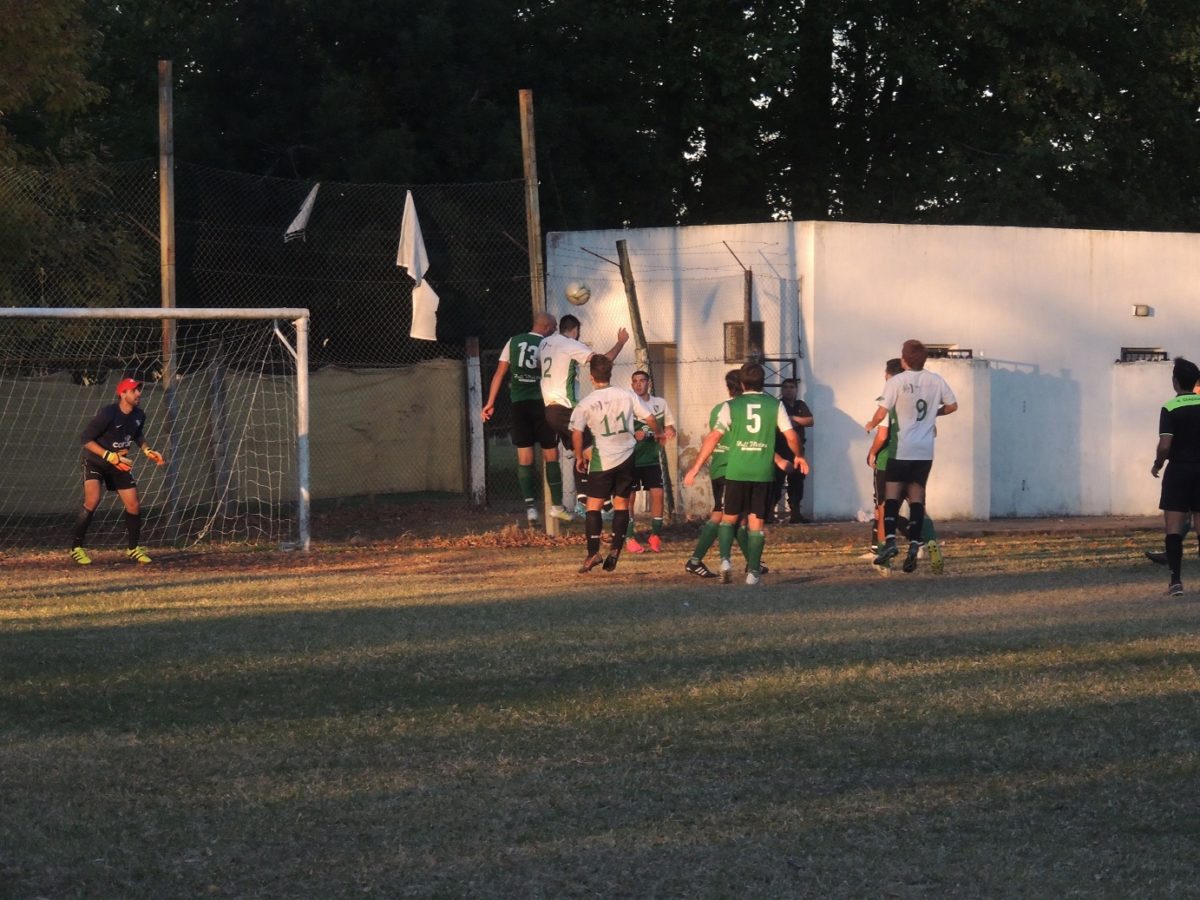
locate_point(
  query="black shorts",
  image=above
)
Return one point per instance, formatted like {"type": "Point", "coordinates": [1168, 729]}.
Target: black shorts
{"type": "Point", "coordinates": [909, 471]}
{"type": "Point", "coordinates": [1180, 488]}
{"type": "Point", "coordinates": [559, 420]}
{"type": "Point", "coordinates": [647, 478]}
{"type": "Point", "coordinates": [529, 425]}
{"type": "Point", "coordinates": [718, 486]}
{"type": "Point", "coordinates": [748, 498]}
{"type": "Point", "coordinates": [614, 482]}
{"type": "Point", "coordinates": [114, 479]}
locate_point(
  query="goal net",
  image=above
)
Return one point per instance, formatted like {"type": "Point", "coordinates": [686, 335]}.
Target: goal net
{"type": "Point", "coordinates": [226, 399]}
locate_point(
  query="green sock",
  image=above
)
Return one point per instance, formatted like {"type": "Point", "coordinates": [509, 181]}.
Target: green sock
{"type": "Point", "coordinates": [656, 525]}
{"type": "Point", "coordinates": [755, 541]}
{"type": "Point", "coordinates": [525, 480]}
{"type": "Point", "coordinates": [629, 532]}
{"type": "Point", "coordinates": [554, 482]}
{"type": "Point", "coordinates": [725, 539]}
{"type": "Point", "coordinates": [708, 534]}
{"type": "Point", "coordinates": [927, 532]}
{"type": "Point", "coordinates": [743, 541]}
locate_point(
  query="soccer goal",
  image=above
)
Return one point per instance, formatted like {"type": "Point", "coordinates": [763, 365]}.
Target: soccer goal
{"type": "Point", "coordinates": [226, 397]}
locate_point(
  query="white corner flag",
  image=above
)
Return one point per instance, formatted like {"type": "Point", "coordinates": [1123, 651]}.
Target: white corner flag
{"type": "Point", "coordinates": [411, 256]}
{"type": "Point", "coordinates": [296, 229]}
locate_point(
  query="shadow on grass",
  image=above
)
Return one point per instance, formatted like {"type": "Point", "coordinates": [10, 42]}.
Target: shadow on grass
{"type": "Point", "coordinates": [296, 663]}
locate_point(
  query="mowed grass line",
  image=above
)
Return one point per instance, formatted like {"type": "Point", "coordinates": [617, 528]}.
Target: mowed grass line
{"type": "Point", "coordinates": [430, 723]}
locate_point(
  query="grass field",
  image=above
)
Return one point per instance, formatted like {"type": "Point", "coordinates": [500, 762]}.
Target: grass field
{"type": "Point", "coordinates": [432, 718]}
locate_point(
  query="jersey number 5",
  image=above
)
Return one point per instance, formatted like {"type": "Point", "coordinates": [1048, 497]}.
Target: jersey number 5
{"type": "Point", "coordinates": [753, 418]}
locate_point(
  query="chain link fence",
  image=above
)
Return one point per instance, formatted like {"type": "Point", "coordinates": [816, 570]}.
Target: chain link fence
{"type": "Point", "coordinates": [89, 236]}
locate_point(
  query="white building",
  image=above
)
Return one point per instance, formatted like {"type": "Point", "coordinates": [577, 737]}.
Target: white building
{"type": "Point", "coordinates": [1050, 421]}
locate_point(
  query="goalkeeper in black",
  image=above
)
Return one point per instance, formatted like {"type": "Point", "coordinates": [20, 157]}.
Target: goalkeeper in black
{"type": "Point", "coordinates": [107, 440]}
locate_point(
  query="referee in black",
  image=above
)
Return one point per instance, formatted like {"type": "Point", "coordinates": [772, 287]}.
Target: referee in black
{"type": "Point", "coordinates": [1179, 442]}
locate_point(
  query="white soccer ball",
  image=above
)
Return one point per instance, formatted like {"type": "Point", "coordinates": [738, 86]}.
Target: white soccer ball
{"type": "Point", "coordinates": [578, 293]}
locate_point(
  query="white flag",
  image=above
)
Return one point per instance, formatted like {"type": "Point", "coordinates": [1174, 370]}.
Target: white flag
{"type": "Point", "coordinates": [296, 229]}
{"type": "Point", "coordinates": [411, 256]}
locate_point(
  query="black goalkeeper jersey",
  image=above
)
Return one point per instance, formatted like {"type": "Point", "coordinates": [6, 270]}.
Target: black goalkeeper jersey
{"type": "Point", "coordinates": [114, 430]}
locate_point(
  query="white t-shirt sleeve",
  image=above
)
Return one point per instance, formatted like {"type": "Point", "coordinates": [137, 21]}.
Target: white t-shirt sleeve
{"type": "Point", "coordinates": [668, 418]}
{"type": "Point", "coordinates": [724, 419]}
{"type": "Point", "coordinates": [783, 421]}
{"type": "Point", "coordinates": [947, 394]}
{"type": "Point", "coordinates": [579, 416]}
{"type": "Point", "coordinates": [891, 392]}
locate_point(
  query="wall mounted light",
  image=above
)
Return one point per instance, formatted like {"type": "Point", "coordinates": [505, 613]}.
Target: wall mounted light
{"type": "Point", "coordinates": [1142, 311]}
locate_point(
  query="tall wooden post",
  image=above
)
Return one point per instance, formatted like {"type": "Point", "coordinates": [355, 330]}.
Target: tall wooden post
{"type": "Point", "coordinates": [641, 353]}
{"type": "Point", "coordinates": [166, 240]}
{"type": "Point", "coordinates": [533, 211]}
{"type": "Point", "coordinates": [533, 239]}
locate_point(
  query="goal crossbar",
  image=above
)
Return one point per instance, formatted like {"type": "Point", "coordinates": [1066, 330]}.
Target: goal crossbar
{"type": "Point", "coordinates": [297, 316]}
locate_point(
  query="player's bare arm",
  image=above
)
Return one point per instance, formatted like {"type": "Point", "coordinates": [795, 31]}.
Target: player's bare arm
{"type": "Point", "coordinates": [798, 461]}
{"type": "Point", "coordinates": [877, 444]}
{"type": "Point", "coordinates": [581, 461]}
{"type": "Point", "coordinates": [622, 340]}
{"type": "Point", "coordinates": [1161, 454]}
{"type": "Point", "coordinates": [946, 408]}
{"type": "Point", "coordinates": [706, 450]}
{"type": "Point", "coordinates": [494, 391]}
{"type": "Point", "coordinates": [880, 415]}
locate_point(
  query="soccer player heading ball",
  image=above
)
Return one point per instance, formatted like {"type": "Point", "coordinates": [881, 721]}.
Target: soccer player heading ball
{"type": "Point", "coordinates": [107, 439]}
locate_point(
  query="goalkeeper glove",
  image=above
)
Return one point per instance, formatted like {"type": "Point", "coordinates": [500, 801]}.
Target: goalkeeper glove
{"type": "Point", "coordinates": [154, 456]}
{"type": "Point", "coordinates": [119, 460]}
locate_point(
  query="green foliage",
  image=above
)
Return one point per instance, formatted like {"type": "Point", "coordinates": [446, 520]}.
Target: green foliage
{"type": "Point", "coordinates": [1071, 112]}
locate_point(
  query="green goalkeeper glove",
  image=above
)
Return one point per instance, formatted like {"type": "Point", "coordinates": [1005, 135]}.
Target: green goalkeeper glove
{"type": "Point", "coordinates": [118, 460]}
{"type": "Point", "coordinates": [154, 456]}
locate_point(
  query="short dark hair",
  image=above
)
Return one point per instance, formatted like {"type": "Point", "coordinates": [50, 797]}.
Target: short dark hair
{"type": "Point", "coordinates": [733, 381]}
{"type": "Point", "coordinates": [893, 366]}
{"type": "Point", "coordinates": [794, 382]}
{"type": "Point", "coordinates": [567, 323]}
{"type": "Point", "coordinates": [1186, 373]}
{"type": "Point", "coordinates": [639, 372]}
{"type": "Point", "coordinates": [601, 367]}
{"type": "Point", "coordinates": [914, 354]}
{"type": "Point", "coordinates": [752, 376]}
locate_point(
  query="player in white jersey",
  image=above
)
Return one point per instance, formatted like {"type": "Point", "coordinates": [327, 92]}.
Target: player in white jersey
{"type": "Point", "coordinates": [560, 356]}
{"type": "Point", "coordinates": [612, 414]}
{"type": "Point", "coordinates": [918, 398]}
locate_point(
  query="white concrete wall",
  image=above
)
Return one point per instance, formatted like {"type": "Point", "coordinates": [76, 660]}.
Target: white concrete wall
{"type": "Point", "coordinates": [1049, 309]}
{"type": "Point", "coordinates": [1139, 390]}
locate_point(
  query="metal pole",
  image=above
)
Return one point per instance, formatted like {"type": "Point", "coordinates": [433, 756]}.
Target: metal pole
{"type": "Point", "coordinates": [304, 491]}
{"type": "Point", "coordinates": [748, 314]}
{"type": "Point", "coordinates": [478, 467]}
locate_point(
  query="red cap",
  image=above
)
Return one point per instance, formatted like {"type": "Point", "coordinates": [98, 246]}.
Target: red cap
{"type": "Point", "coordinates": [127, 384]}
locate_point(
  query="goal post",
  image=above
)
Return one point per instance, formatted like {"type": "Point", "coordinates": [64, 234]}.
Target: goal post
{"type": "Point", "coordinates": [236, 441]}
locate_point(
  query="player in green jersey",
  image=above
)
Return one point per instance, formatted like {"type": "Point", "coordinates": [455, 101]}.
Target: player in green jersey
{"type": "Point", "coordinates": [648, 473]}
{"type": "Point", "coordinates": [520, 360]}
{"type": "Point", "coordinates": [750, 421]}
